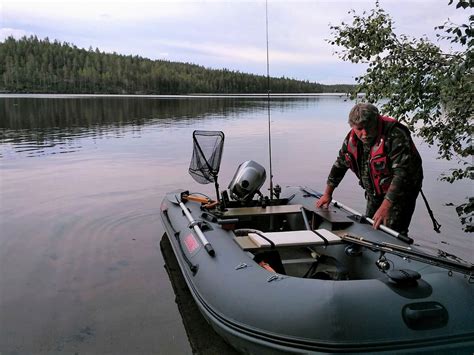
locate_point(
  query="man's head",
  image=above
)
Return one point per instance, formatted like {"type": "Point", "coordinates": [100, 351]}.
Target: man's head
{"type": "Point", "coordinates": [363, 120]}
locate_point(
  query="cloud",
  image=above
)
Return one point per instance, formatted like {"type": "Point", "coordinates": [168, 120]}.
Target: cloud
{"type": "Point", "coordinates": [92, 10]}
{"type": "Point", "coordinates": [243, 52]}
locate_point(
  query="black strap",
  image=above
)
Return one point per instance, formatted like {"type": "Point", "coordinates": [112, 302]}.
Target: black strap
{"type": "Point", "coordinates": [261, 235]}
{"type": "Point", "coordinates": [246, 231]}
{"type": "Point", "coordinates": [436, 225]}
{"type": "Point", "coordinates": [321, 236]}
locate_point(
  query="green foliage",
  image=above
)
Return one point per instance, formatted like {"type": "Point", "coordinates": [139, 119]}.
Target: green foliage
{"type": "Point", "coordinates": [466, 212]}
{"type": "Point", "coordinates": [429, 90]}
{"type": "Point", "coordinates": [42, 66]}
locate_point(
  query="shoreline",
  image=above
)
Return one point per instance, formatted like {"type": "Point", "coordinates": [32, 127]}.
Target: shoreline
{"type": "Point", "coordinates": [184, 96]}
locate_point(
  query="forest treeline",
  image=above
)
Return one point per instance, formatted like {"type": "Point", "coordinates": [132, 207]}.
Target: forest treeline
{"type": "Point", "coordinates": [32, 65]}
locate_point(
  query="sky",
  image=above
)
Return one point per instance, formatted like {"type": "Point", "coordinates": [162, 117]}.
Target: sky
{"type": "Point", "coordinates": [219, 34]}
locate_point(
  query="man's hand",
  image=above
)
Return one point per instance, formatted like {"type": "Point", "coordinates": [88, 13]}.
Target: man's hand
{"type": "Point", "coordinates": [324, 201]}
{"type": "Point", "coordinates": [326, 198]}
{"type": "Point", "coordinates": [382, 214]}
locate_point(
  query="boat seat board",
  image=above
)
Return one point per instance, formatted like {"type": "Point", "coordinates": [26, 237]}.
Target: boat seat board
{"type": "Point", "coordinates": [269, 210]}
{"type": "Point", "coordinates": [287, 239]}
{"type": "Point", "coordinates": [332, 215]}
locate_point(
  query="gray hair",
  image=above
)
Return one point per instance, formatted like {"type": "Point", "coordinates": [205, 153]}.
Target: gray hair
{"type": "Point", "coordinates": [363, 114]}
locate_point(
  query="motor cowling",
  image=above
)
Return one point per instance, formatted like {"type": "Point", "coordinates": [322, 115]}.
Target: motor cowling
{"type": "Point", "coordinates": [247, 181]}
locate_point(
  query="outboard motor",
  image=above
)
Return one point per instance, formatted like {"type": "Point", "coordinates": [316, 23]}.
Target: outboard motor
{"type": "Point", "coordinates": [247, 181]}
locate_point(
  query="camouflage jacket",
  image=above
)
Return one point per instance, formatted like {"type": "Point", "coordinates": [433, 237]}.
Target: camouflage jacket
{"type": "Point", "coordinates": [404, 164]}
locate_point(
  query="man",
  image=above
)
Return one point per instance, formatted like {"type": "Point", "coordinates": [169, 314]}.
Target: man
{"type": "Point", "coordinates": [380, 151]}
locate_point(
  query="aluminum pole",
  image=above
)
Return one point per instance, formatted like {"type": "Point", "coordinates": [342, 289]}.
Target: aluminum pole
{"type": "Point", "coordinates": [200, 234]}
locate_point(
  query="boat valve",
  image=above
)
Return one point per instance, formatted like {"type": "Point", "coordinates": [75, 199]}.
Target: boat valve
{"type": "Point", "coordinates": [382, 263]}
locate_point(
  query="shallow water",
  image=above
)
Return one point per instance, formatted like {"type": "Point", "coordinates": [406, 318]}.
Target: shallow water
{"type": "Point", "coordinates": [81, 182]}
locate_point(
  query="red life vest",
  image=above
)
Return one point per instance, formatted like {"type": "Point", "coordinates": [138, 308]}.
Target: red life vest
{"type": "Point", "coordinates": [379, 165]}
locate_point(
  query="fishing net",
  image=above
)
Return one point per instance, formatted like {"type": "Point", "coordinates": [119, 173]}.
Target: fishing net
{"type": "Point", "coordinates": [207, 154]}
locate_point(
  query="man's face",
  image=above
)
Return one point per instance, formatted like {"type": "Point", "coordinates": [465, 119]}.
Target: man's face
{"type": "Point", "coordinates": [365, 132]}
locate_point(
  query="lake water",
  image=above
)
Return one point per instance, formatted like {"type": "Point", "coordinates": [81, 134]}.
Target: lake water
{"type": "Point", "coordinates": [80, 188]}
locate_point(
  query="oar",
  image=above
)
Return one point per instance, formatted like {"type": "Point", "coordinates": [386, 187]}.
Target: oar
{"type": "Point", "coordinates": [399, 236]}
{"type": "Point", "coordinates": [193, 224]}
{"type": "Point", "coordinates": [393, 233]}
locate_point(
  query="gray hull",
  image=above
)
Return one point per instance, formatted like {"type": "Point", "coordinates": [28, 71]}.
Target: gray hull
{"type": "Point", "coordinates": [347, 305]}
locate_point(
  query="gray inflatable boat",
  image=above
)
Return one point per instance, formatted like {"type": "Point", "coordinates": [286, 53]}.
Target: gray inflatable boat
{"type": "Point", "coordinates": [278, 275]}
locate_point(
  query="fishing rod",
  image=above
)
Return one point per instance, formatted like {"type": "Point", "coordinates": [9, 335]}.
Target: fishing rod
{"type": "Point", "coordinates": [407, 252]}
{"type": "Point", "coordinates": [268, 104]}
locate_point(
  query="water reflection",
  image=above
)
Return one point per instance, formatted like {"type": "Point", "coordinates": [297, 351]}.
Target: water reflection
{"type": "Point", "coordinates": [38, 126]}
{"type": "Point", "coordinates": [17, 114]}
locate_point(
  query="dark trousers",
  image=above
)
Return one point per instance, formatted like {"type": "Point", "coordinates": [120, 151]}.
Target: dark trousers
{"type": "Point", "coordinates": [400, 213]}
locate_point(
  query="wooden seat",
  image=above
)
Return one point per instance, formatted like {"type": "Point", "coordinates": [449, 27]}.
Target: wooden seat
{"type": "Point", "coordinates": [288, 239]}
{"type": "Point", "coordinates": [258, 211]}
